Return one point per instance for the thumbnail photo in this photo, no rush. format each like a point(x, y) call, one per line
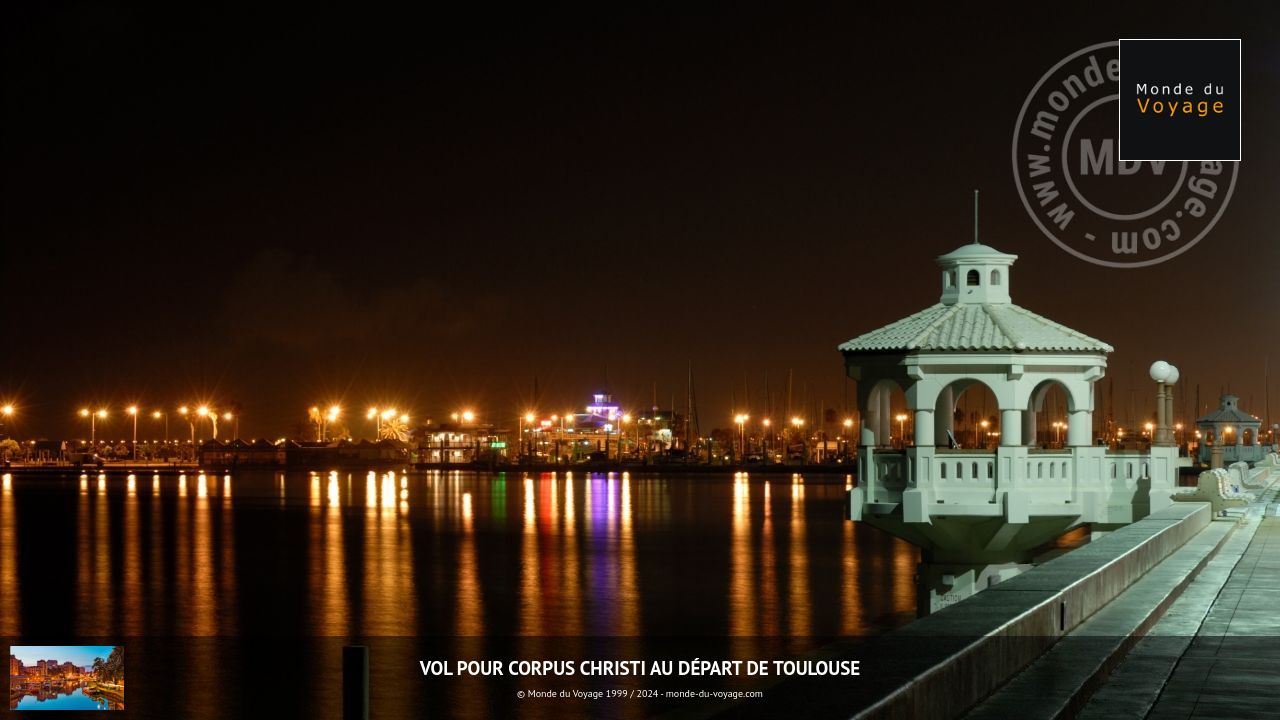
point(66, 677)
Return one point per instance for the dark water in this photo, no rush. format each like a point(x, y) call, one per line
point(232, 591)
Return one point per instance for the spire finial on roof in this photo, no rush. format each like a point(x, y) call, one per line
point(975, 216)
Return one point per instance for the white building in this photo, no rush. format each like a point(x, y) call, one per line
point(978, 513)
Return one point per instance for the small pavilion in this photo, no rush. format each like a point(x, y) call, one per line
point(1233, 431)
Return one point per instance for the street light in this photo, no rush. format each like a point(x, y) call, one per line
point(902, 428)
point(622, 436)
point(185, 413)
point(526, 419)
point(741, 420)
point(235, 424)
point(984, 425)
point(204, 412)
point(159, 414)
point(93, 422)
point(331, 417)
point(133, 411)
point(797, 422)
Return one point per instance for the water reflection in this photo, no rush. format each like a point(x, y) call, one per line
point(10, 595)
point(451, 555)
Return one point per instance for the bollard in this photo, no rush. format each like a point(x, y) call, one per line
point(355, 682)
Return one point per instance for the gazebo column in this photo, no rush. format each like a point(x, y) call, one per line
point(942, 420)
point(924, 427)
point(1010, 428)
point(884, 433)
point(1079, 428)
point(1029, 426)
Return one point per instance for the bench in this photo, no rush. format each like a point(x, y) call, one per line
point(1218, 488)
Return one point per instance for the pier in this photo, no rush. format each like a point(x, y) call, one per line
point(1171, 616)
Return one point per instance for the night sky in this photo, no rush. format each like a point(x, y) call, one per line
point(285, 208)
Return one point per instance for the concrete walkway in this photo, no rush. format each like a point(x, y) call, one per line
point(1216, 652)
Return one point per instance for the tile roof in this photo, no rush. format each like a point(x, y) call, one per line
point(1227, 414)
point(975, 327)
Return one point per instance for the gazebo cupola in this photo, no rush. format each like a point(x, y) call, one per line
point(977, 274)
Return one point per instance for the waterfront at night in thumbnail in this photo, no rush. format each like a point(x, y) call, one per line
point(66, 677)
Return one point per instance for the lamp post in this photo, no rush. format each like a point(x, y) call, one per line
point(798, 423)
point(846, 434)
point(159, 414)
point(623, 421)
point(560, 434)
point(768, 439)
point(7, 412)
point(331, 417)
point(204, 412)
point(984, 425)
point(902, 428)
point(523, 421)
point(133, 452)
point(741, 420)
point(186, 414)
point(235, 423)
point(1166, 376)
point(93, 422)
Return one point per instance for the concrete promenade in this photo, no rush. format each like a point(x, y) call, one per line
point(1216, 652)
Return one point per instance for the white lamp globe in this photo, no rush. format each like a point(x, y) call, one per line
point(1159, 370)
point(1173, 375)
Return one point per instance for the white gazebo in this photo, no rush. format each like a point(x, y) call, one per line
point(977, 513)
point(1232, 432)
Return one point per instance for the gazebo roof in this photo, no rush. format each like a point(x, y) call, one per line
point(1228, 411)
point(976, 251)
point(1228, 415)
point(969, 327)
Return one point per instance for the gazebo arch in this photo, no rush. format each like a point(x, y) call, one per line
point(948, 398)
point(877, 409)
